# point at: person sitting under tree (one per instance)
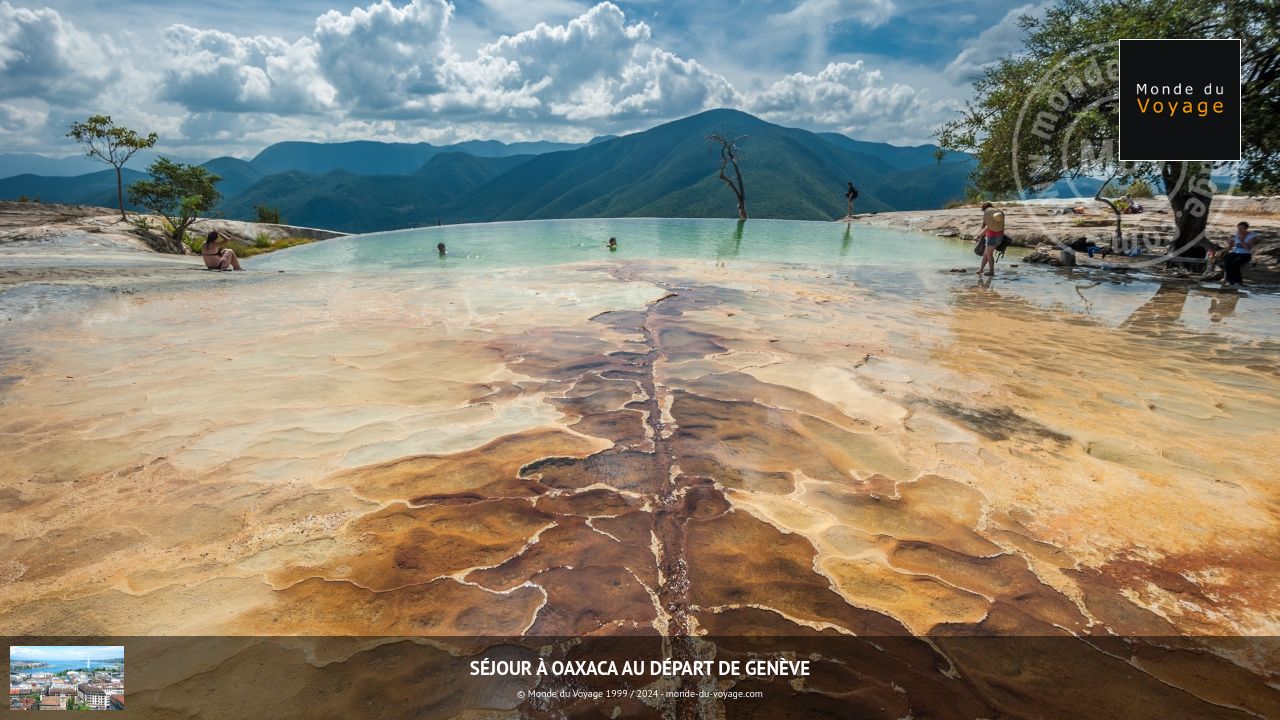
(1240, 254)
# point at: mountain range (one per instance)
(667, 171)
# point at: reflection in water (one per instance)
(1085, 302)
(847, 241)
(729, 248)
(1163, 308)
(1222, 306)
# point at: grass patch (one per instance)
(245, 250)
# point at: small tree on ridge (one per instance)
(112, 144)
(177, 191)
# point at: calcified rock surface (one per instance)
(1043, 221)
(652, 448)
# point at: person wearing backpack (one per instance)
(992, 236)
(851, 194)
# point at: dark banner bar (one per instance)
(821, 676)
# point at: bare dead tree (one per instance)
(731, 153)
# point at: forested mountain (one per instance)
(666, 171)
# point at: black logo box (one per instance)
(1179, 65)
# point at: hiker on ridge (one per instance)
(851, 194)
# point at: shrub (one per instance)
(262, 241)
(1139, 188)
(268, 214)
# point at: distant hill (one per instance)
(670, 171)
(96, 188)
(898, 156)
(379, 158)
(927, 187)
(666, 171)
(364, 203)
(237, 175)
(99, 187)
(14, 164)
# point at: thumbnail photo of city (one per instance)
(66, 677)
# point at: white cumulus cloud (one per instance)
(43, 55)
(997, 41)
(396, 62)
(392, 69)
(851, 99)
(596, 66)
(383, 56)
(214, 71)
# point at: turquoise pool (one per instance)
(900, 266)
(551, 242)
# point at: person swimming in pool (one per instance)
(441, 249)
(613, 244)
(217, 256)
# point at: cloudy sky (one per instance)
(66, 652)
(231, 77)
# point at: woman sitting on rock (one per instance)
(217, 256)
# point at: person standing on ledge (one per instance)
(850, 195)
(992, 233)
(1240, 254)
(613, 244)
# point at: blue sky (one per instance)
(65, 652)
(231, 77)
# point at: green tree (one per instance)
(1077, 39)
(112, 144)
(177, 191)
(267, 214)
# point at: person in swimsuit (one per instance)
(1240, 254)
(992, 234)
(441, 250)
(217, 256)
(613, 243)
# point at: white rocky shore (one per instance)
(1031, 223)
(53, 243)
